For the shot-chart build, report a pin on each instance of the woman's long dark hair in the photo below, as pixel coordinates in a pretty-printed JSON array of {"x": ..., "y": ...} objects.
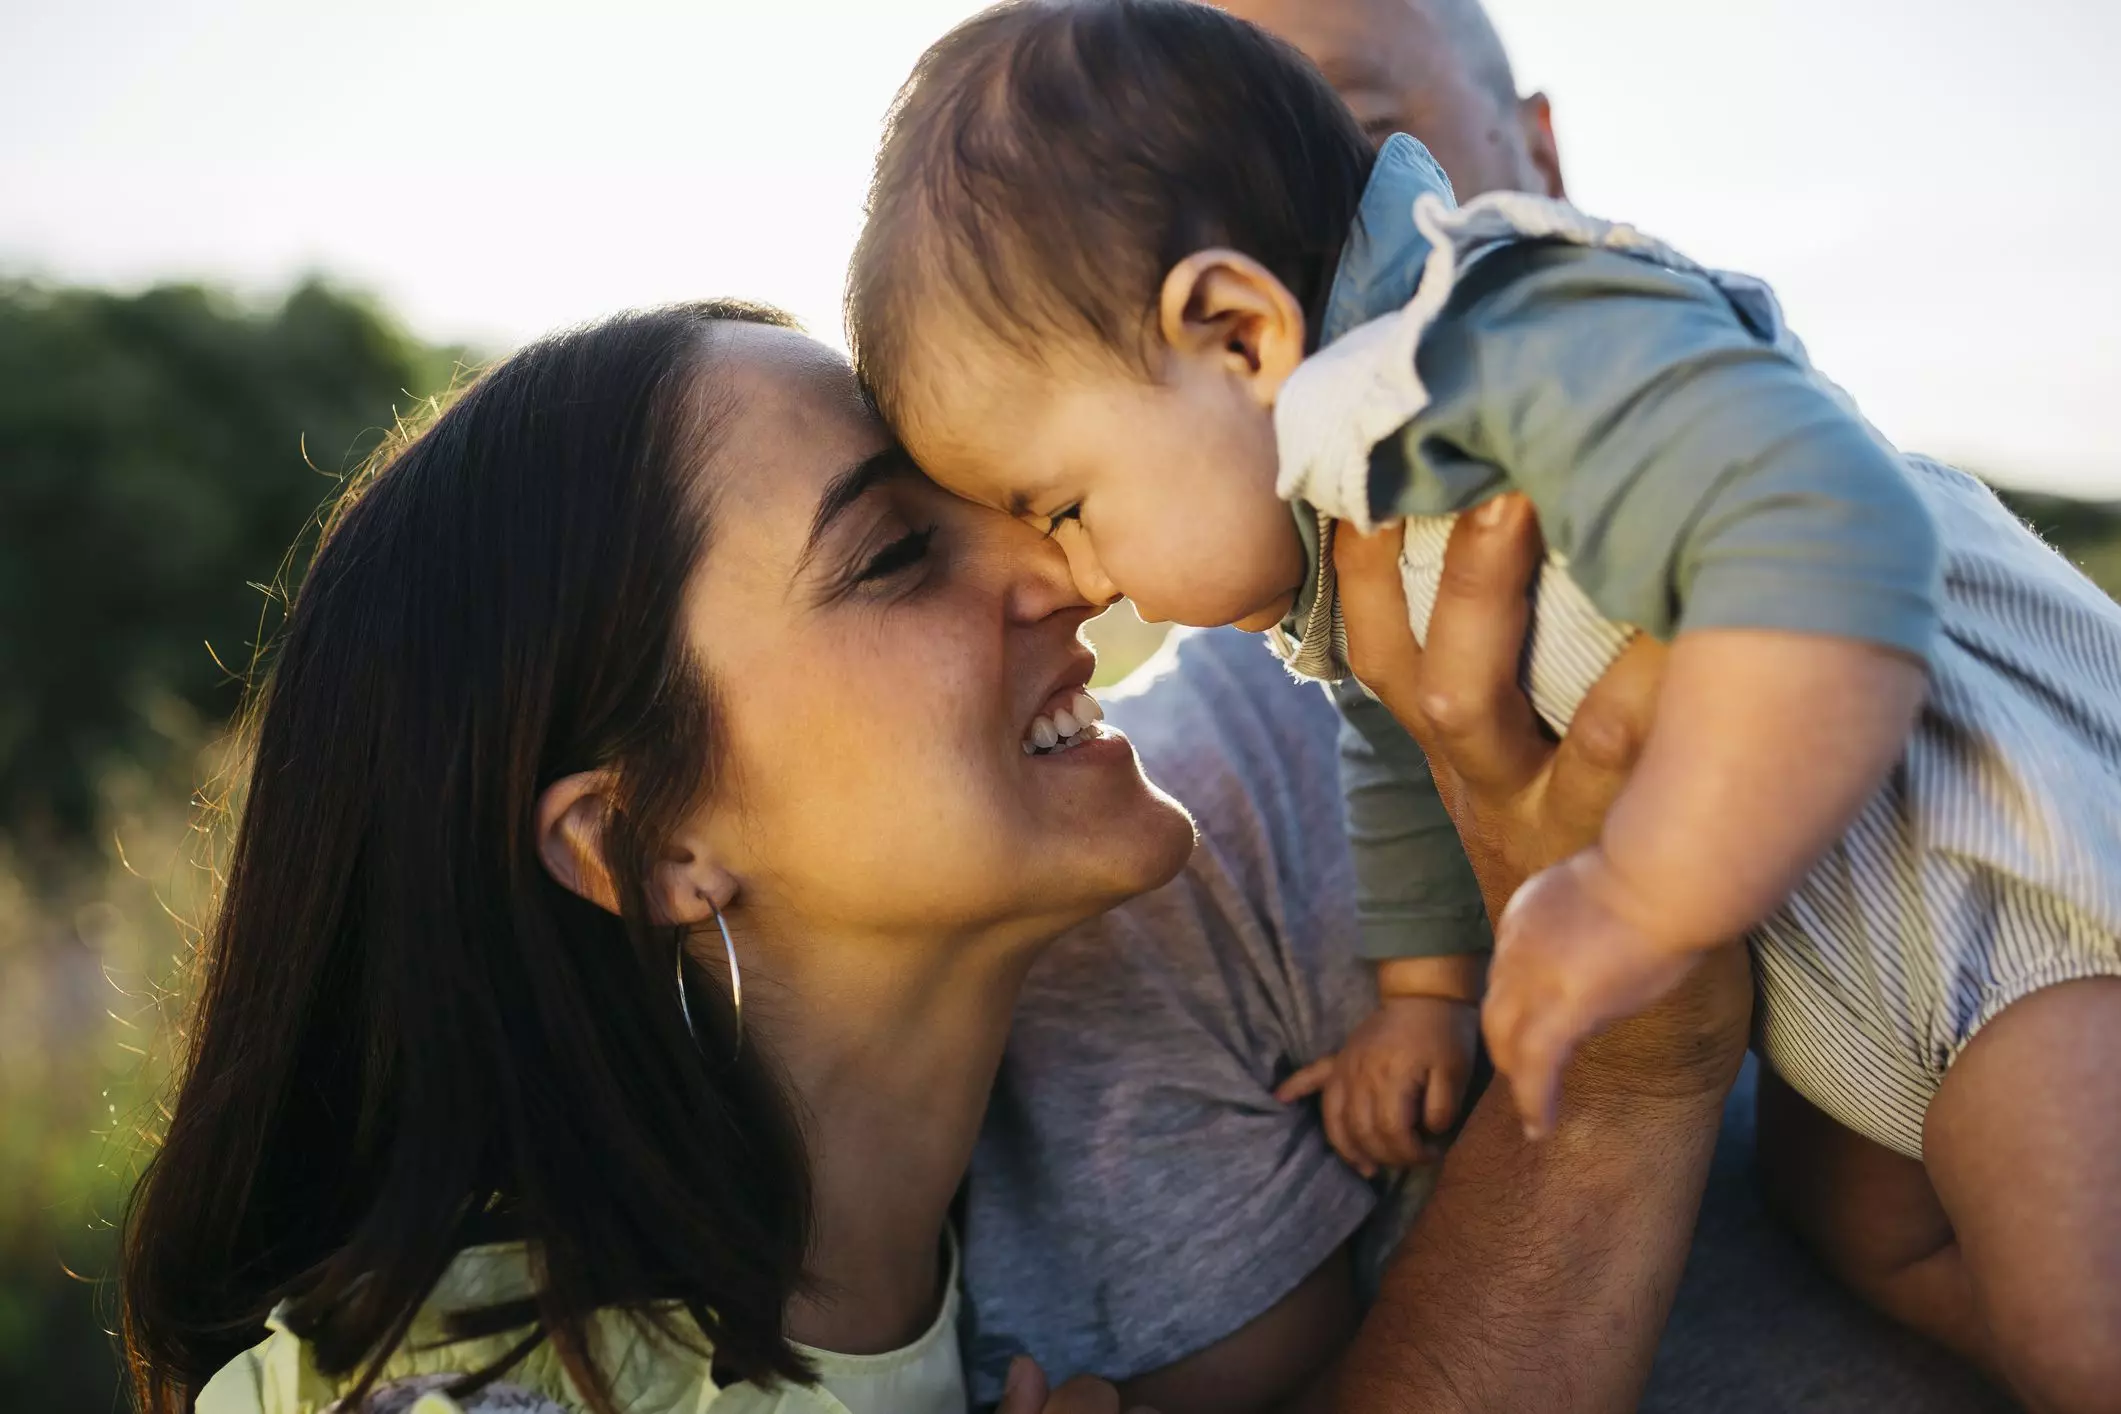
[{"x": 408, "y": 1037}]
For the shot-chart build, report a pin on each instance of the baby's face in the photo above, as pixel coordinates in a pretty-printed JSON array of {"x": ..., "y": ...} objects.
[{"x": 1161, "y": 490}]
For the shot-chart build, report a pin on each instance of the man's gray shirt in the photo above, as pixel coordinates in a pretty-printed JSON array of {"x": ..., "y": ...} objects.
[{"x": 1138, "y": 1192}]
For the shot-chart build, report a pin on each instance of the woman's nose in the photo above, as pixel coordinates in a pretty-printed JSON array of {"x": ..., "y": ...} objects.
[{"x": 1041, "y": 578}]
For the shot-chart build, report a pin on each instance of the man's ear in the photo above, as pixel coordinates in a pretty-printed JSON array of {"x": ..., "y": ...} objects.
[
  {"x": 1535, "y": 115},
  {"x": 1224, "y": 305},
  {"x": 684, "y": 887}
]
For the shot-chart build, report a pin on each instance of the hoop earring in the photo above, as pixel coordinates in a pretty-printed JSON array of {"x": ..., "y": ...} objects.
[
  {"x": 736, "y": 978},
  {"x": 736, "y": 984}
]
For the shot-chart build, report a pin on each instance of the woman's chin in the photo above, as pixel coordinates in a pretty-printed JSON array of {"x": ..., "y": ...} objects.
[
  {"x": 1120, "y": 834},
  {"x": 1143, "y": 846}
]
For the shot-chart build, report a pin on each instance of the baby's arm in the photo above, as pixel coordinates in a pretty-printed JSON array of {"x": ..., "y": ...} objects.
[
  {"x": 1424, "y": 928},
  {"x": 1415, "y": 893},
  {"x": 1766, "y": 746}
]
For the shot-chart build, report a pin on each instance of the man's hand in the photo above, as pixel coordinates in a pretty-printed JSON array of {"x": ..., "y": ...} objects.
[{"x": 1520, "y": 802}]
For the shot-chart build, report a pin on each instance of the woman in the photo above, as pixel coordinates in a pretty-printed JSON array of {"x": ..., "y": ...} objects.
[
  {"x": 656, "y": 606},
  {"x": 651, "y": 634}
]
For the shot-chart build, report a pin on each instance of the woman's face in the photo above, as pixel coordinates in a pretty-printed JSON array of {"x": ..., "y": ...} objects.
[{"x": 879, "y": 652}]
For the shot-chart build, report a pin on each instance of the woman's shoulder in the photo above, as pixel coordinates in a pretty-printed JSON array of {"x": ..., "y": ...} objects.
[
  {"x": 239, "y": 1389},
  {"x": 649, "y": 1372},
  {"x": 279, "y": 1376}
]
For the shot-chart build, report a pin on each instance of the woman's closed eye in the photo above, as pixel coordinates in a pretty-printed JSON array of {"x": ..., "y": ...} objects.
[
  {"x": 1060, "y": 517},
  {"x": 902, "y": 554}
]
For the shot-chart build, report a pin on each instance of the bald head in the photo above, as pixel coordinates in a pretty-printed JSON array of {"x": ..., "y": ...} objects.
[{"x": 1433, "y": 68}]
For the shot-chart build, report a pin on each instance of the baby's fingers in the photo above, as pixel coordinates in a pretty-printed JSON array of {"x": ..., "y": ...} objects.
[
  {"x": 1440, "y": 1101},
  {"x": 1369, "y": 1126},
  {"x": 1306, "y": 1082},
  {"x": 1507, "y": 1023},
  {"x": 1333, "y": 1110},
  {"x": 1399, "y": 1143},
  {"x": 1543, "y": 1053},
  {"x": 1501, "y": 1023}
]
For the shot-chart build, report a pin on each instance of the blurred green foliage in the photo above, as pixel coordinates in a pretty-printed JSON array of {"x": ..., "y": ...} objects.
[
  {"x": 162, "y": 456},
  {"x": 159, "y": 454}
]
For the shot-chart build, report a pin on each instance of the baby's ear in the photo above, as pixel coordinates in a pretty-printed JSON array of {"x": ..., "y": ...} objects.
[{"x": 1223, "y": 305}]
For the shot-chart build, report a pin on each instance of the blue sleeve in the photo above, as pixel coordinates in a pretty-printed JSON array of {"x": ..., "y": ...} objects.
[
  {"x": 1693, "y": 474},
  {"x": 1415, "y": 894}
]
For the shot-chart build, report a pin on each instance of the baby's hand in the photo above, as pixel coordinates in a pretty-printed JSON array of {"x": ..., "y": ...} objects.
[
  {"x": 1407, "y": 1065},
  {"x": 1568, "y": 963}
]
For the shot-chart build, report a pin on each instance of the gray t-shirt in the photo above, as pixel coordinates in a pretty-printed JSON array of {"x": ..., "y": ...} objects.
[{"x": 1138, "y": 1192}]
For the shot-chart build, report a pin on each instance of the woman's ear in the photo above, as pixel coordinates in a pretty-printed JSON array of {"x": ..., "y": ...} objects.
[
  {"x": 1224, "y": 305},
  {"x": 687, "y": 889},
  {"x": 571, "y": 817},
  {"x": 684, "y": 886}
]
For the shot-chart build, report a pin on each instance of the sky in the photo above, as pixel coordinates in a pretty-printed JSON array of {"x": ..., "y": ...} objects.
[{"x": 1932, "y": 185}]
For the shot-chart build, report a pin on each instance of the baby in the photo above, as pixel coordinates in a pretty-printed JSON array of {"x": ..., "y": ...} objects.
[{"x": 1132, "y": 274}]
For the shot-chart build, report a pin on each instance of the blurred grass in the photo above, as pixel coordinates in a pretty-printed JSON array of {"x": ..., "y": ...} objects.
[
  {"x": 160, "y": 451},
  {"x": 1123, "y": 642},
  {"x": 89, "y": 952}
]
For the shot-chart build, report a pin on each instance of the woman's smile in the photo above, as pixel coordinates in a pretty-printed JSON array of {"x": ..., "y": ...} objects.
[{"x": 1067, "y": 714}]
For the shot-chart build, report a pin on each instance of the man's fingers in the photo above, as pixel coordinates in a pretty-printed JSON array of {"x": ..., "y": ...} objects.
[
  {"x": 1306, "y": 1082},
  {"x": 1471, "y": 704},
  {"x": 1604, "y": 742},
  {"x": 1373, "y": 608}
]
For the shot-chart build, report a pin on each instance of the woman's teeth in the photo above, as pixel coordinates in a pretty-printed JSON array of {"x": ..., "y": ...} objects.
[{"x": 1066, "y": 727}]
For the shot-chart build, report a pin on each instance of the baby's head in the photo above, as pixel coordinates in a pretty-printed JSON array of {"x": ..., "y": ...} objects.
[{"x": 1098, "y": 233}]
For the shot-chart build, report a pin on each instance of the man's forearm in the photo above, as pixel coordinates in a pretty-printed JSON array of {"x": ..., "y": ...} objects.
[{"x": 1540, "y": 1274}]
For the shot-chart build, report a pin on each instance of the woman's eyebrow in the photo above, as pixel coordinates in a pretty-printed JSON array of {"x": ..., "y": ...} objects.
[{"x": 846, "y": 490}]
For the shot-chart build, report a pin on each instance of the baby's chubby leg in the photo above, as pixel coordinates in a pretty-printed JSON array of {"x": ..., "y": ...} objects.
[
  {"x": 2005, "y": 1242},
  {"x": 2023, "y": 1144},
  {"x": 1871, "y": 1217}
]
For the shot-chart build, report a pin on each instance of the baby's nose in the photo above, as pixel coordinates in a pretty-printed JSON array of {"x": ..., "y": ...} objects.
[{"x": 1091, "y": 581}]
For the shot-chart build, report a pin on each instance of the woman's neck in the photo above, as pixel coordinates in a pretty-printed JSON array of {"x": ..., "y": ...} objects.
[{"x": 892, "y": 1053}]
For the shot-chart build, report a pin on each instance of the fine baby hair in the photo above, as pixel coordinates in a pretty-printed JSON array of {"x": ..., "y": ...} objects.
[{"x": 1050, "y": 160}]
